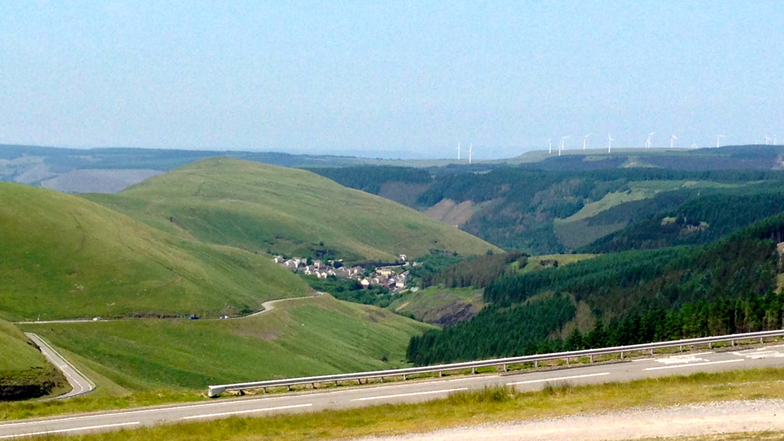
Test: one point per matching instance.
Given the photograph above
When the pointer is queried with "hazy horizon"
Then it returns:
(415, 78)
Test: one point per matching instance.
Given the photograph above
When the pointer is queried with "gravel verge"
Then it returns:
(677, 421)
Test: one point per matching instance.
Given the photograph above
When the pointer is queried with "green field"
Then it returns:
(300, 337)
(62, 256)
(274, 210)
(536, 263)
(24, 371)
(440, 305)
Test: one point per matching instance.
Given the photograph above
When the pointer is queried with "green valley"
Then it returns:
(724, 287)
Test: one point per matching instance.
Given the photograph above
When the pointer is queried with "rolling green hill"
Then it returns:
(24, 371)
(263, 208)
(300, 337)
(62, 256)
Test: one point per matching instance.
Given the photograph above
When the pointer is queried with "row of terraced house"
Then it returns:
(387, 277)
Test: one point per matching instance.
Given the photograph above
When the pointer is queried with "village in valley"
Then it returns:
(392, 277)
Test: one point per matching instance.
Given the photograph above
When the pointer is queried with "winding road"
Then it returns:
(80, 384)
(266, 307)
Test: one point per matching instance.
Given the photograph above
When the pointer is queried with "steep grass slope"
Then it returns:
(271, 209)
(299, 337)
(440, 306)
(24, 371)
(62, 256)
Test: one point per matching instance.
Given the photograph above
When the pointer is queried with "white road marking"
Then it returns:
(693, 365)
(240, 412)
(544, 380)
(411, 394)
(760, 354)
(77, 429)
(132, 412)
(681, 359)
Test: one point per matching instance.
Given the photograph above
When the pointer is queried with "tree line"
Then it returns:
(370, 178)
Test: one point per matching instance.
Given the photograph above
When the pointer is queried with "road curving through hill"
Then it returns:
(82, 385)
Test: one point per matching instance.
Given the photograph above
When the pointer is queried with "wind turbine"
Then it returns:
(694, 145)
(458, 150)
(562, 144)
(550, 142)
(648, 140)
(585, 138)
(609, 144)
(470, 152)
(672, 140)
(767, 138)
(774, 139)
(718, 140)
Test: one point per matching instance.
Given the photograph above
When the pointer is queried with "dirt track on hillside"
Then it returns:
(691, 420)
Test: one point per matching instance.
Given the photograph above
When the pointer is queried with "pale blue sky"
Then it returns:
(414, 76)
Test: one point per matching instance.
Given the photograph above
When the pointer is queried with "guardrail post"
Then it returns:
(680, 348)
(405, 377)
(710, 345)
(567, 361)
(473, 371)
(651, 351)
(440, 374)
(621, 355)
(288, 387)
(733, 342)
(382, 380)
(591, 358)
(762, 340)
(314, 385)
(265, 390)
(506, 369)
(536, 364)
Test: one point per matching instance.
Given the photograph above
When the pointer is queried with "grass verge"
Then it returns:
(491, 405)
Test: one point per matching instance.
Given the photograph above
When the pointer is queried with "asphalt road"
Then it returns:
(403, 392)
(265, 308)
(79, 383)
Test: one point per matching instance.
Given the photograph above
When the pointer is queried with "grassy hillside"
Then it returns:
(300, 337)
(537, 263)
(264, 208)
(62, 256)
(24, 371)
(440, 306)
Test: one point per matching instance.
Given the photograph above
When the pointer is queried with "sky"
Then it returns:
(406, 76)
